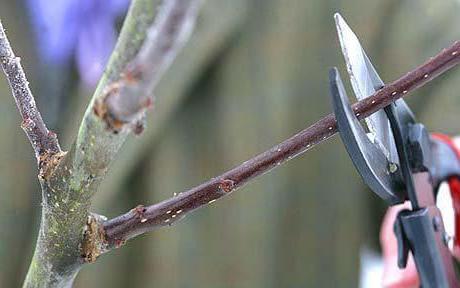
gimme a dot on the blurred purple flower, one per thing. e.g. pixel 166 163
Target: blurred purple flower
pixel 81 28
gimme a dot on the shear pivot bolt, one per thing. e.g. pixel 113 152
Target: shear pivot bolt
pixel 436 223
pixel 392 167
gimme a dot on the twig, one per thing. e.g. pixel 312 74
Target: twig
pixel 143 219
pixel 44 142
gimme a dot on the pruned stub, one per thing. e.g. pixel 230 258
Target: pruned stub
pixel 122 103
pixel 101 110
pixel 119 109
pixel 94 240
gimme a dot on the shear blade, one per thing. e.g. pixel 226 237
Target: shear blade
pixel 367 157
pixel 365 82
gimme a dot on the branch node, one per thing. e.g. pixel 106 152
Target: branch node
pixel 226 185
pixel 139 212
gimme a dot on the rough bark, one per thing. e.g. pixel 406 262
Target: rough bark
pixel 69 180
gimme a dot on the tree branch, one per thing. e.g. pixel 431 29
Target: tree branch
pixel 44 142
pixel 209 38
pixel 124 93
pixel 127 98
pixel 143 219
pixel 69 184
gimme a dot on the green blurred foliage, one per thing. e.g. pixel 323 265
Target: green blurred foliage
pixel 254 73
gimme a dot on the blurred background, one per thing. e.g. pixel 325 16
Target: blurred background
pixel 253 73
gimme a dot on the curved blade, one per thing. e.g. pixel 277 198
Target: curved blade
pixel 369 160
pixel 365 81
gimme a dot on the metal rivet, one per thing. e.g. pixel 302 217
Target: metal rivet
pixel 436 223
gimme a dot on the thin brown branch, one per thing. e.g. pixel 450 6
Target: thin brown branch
pixel 143 219
pixel 44 142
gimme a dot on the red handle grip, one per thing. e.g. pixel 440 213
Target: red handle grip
pixel 454 185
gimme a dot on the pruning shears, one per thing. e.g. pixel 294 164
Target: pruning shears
pixel 399 160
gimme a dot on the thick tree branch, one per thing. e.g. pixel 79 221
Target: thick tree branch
pixel 143 219
pixel 127 98
pixel 69 184
pixel 44 142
